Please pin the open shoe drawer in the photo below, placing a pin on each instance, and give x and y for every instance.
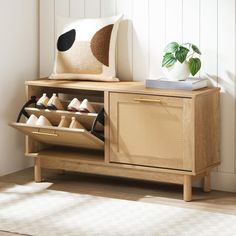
(86, 119)
(61, 136)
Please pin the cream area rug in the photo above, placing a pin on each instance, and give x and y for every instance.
(33, 211)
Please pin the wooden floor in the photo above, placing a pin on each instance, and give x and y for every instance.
(167, 194)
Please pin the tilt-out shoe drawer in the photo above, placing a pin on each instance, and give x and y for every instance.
(61, 136)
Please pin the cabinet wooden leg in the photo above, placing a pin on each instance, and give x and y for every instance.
(187, 188)
(207, 182)
(37, 170)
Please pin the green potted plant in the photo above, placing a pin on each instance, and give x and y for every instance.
(181, 60)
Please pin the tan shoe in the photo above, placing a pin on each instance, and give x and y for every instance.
(42, 102)
(32, 120)
(64, 123)
(74, 105)
(54, 103)
(75, 124)
(86, 107)
(43, 121)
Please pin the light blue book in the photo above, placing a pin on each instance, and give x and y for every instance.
(190, 83)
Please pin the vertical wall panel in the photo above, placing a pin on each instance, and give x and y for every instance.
(208, 40)
(92, 8)
(174, 21)
(108, 7)
(140, 39)
(191, 21)
(77, 8)
(124, 41)
(156, 36)
(62, 7)
(226, 70)
(47, 9)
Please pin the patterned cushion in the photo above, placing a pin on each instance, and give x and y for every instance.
(86, 49)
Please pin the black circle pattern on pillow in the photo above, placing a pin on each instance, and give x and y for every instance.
(66, 40)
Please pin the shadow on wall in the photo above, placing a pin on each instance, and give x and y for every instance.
(227, 101)
(227, 117)
(212, 80)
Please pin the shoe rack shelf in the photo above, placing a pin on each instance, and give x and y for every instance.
(55, 115)
(160, 135)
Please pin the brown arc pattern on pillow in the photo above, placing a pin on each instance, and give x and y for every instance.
(100, 44)
(79, 60)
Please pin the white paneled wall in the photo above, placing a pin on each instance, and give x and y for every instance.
(147, 27)
(18, 63)
(157, 35)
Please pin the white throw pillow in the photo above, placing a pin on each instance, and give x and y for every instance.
(86, 49)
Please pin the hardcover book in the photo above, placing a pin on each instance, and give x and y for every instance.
(189, 84)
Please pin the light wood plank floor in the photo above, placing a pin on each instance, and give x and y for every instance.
(167, 194)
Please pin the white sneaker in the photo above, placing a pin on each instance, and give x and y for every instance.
(43, 121)
(64, 123)
(75, 124)
(54, 103)
(74, 105)
(42, 102)
(86, 107)
(32, 120)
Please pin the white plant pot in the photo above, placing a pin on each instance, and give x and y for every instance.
(177, 72)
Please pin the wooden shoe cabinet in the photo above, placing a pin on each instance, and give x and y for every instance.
(159, 135)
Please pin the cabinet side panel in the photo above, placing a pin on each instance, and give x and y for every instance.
(207, 130)
(107, 126)
(112, 125)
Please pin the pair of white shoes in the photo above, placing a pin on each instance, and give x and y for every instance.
(64, 123)
(73, 124)
(84, 106)
(52, 104)
(55, 104)
(41, 121)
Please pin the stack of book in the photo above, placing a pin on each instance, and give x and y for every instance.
(189, 84)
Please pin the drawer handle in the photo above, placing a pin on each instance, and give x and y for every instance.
(147, 100)
(45, 134)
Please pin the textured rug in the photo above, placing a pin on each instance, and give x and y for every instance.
(33, 211)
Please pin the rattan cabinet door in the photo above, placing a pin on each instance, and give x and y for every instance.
(151, 130)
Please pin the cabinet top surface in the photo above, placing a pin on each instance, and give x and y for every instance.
(129, 87)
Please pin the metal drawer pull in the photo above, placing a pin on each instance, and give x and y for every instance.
(147, 100)
(45, 134)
